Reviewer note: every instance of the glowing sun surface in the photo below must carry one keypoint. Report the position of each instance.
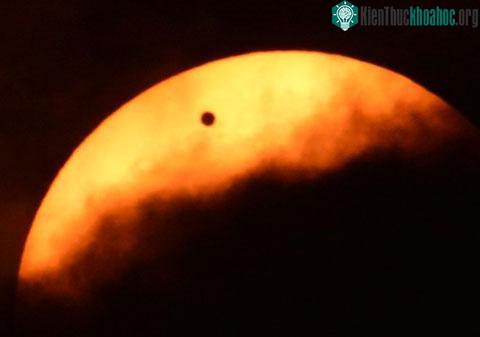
(305, 113)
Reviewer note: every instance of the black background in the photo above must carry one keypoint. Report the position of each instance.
(65, 66)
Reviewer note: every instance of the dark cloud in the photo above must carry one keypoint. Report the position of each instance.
(382, 246)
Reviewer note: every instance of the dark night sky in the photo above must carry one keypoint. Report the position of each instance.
(65, 66)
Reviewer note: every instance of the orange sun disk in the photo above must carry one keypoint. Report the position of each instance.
(306, 113)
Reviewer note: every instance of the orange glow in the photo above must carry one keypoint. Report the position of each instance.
(306, 112)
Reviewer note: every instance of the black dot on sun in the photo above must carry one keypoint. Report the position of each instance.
(208, 118)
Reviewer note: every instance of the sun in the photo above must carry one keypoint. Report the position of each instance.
(305, 113)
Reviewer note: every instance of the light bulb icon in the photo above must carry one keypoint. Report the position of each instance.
(345, 15)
